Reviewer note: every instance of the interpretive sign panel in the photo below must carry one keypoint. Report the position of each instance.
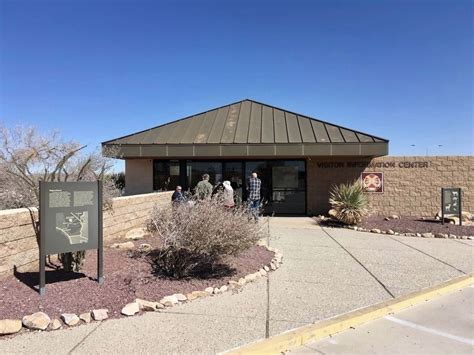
(70, 220)
(451, 202)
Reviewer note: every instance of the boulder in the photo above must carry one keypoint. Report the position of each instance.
(130, 309)
(70, 319)
(100, 314)
(375, 230)
(427, 235)
(209, 290)
(136, 234)
(418, 234)
(250, 278)
(147, 306)
(85, 317)
(266, 268)
(332, 213)
(394, 216)
(169, 301)
(391, 232)
(452, 236)
(180, 297)
(9, 326)
(386, 219)
(439, 235)
(470, 237)
(123, 246)
(217, 291)
(36, 321)
(224, 289)
(55, 324)
(263, 272)
(242, 281)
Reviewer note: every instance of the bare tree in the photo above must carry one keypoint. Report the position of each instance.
(27, 157)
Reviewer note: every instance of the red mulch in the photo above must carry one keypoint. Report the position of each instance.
(416, 225)
(126, 278)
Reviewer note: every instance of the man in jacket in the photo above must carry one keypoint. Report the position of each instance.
(204, 188)
(253, 190)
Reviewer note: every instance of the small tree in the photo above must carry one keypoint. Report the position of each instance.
(27, 157)
(349, 202)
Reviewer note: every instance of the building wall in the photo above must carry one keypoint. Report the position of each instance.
(412, 185)
(138, 176)
(18, 243)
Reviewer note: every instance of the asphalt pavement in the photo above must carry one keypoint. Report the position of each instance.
(441, 326)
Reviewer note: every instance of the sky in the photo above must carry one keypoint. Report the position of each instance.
(97, 70)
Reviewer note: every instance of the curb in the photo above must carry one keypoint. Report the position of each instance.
(298, 337)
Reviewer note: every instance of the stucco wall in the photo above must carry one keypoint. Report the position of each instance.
(138, 176)
(412, 185)
(18, 244)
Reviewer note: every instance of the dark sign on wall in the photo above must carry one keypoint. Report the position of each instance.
(70, 220)
(372, 182)
(451, 202)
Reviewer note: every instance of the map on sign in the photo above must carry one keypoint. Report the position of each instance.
(73, 226)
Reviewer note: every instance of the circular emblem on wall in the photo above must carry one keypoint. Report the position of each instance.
(372, 182)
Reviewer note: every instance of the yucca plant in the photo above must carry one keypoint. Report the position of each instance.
(349, 202)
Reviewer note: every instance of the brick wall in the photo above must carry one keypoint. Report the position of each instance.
(412, 185)
(18, 244)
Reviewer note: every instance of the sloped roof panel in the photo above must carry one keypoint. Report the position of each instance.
(248, 122)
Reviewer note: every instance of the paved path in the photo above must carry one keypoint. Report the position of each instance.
(441, 326)
(325, 272)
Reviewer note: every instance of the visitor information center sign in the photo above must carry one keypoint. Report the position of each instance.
(70, 220)
(451, 203)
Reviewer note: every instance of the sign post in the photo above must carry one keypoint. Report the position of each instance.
(451, 202)
(70, 221)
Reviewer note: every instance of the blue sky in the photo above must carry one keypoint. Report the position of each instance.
(96, 70)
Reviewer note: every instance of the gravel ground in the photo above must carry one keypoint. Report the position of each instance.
(126, 278)
(416, 225)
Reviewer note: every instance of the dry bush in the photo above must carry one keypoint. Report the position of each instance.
(197, 236)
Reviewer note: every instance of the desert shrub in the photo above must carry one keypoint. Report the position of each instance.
(349, 202)
(197, 236)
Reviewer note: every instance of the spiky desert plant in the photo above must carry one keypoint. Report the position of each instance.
(349, 202)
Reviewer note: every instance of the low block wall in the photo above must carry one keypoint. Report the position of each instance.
(18, 243)
(412, 185)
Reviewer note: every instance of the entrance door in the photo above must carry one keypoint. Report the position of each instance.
(234, 172)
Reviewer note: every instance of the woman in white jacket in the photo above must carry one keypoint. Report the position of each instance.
(228, 194)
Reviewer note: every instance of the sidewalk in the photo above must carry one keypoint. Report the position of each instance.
(325, 272)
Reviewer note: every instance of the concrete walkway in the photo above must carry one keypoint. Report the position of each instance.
(325, 272)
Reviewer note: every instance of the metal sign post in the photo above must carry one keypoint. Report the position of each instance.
(70, 221)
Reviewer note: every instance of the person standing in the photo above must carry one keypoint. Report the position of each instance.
(228, 194)
(204, 188)
(253, 190)
(178, 196)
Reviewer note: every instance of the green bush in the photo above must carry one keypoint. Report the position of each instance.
(349, 202)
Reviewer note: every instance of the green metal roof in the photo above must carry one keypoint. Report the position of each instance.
(240, 128)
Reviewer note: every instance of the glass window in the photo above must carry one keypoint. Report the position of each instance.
(165, 175)
(196, 169)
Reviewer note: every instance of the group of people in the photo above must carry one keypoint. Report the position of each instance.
(204, 190)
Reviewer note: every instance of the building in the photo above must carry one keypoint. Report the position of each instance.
(286, 149)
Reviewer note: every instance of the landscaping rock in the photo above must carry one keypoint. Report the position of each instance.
(70, 319)
(391, 232)
(418, 234)
(55, 324)
(217, 291)
(266, 268)
(470, 237)
(375, 230)
(85, 317)
(136, 234)
(147, 306)
(273, 266)
(250, 278)
(209, 290)
(242, 281)
(223, 289)
(100, 314)
(123, 246)
(452, 236)
(36, 321)
(169, 301)
(130, 309)
(263, 272)
(191, 297)
(386, 219)
(145, 248)
(439, 235)
(427, 235)
(10, 326)
(394, 216)
(180, 297)
(332, 213)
